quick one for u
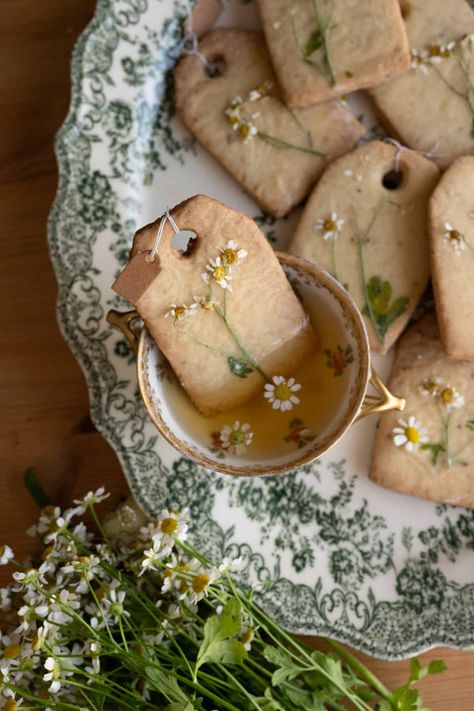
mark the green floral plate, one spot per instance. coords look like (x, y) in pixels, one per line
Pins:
(388, 574)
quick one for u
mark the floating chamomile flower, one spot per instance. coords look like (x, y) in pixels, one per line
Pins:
(330, 226)
(409, 434)
(454, 238)
(6, 555)
(237, 438)
(281, 393)
(181, 311)
(450, 397)
(217, 272)
(231, 255)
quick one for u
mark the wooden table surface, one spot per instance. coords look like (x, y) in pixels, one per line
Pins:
(43, 399)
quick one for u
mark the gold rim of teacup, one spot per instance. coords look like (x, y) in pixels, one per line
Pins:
(313, 452)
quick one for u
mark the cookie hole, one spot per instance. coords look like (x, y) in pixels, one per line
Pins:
(215, 67)
(184, 242)
(392, 179)
(405, 9)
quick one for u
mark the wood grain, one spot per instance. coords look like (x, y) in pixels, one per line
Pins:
(43, 399)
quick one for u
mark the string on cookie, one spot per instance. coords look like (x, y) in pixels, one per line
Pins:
(190, 44)
(167, 217)
(400, 148)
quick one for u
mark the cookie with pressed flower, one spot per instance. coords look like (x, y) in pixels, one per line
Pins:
(223, 312)
(452, 257)
(366, 223)
(428, 450)
(431, 107)
(322, 49)
(275, 153)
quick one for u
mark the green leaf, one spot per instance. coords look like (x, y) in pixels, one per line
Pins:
(314, 43)
(435, 450)
(169, 687)
(217, 645)
(437, 666)
(279, 657)
(384, 313)
(239, 367)
(284, 674)
(406, 699)
(37, 492)
(470, 425)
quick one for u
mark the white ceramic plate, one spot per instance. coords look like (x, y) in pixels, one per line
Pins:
(389, 574)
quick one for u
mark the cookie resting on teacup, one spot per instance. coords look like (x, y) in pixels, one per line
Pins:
(250, 362)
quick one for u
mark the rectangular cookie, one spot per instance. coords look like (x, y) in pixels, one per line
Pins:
(430, 107)
(366, 223)
(179, 307)
(322, 49)
(452, 257)
(275, 154)
(428, 450)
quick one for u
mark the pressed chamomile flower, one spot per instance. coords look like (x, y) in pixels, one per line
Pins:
(450, 397)
(217, 272)
(6, 555)
(280, 393)
(454, 238)
(182, 311)
(418, 60)
(231, 255)
(205, 302)
(330, 226)
(437, 52)
(409, 434)
(237, 438)
(429, 387)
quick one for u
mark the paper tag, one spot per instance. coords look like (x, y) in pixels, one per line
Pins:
(204, 14)
(137, 276)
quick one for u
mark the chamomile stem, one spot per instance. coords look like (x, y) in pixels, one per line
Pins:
(360, 669)
(201, 343)
(324, 30)
(307, 134)
(333, 258)
(360, 242)
(280, 143)
(236, 338)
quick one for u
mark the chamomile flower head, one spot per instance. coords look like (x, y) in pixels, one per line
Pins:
(207, 303)
(418, 60)
(454, 238)
(330, 226)
(450, 398)
(217, 273)
(6, 555)
(171, 525)
(200, 584)
(281, 393)
(430, 387)
(236, 438)
(231, 254)
(92, 498)
(409, 434)
(113, 604)
(181, 311)
(438, 51)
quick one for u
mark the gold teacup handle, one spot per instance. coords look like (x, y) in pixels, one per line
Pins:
(383, 401)
(122, 321)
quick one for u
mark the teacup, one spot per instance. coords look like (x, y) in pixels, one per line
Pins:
(347, 358)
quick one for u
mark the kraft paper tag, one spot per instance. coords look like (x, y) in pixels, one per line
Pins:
(204, 14)
(137, 276)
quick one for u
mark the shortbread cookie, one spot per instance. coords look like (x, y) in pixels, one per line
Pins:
(240, 118)
(452, 257)
(372, 235)
(431, 107)
(325, 48)
(230, 268)
(428, 451)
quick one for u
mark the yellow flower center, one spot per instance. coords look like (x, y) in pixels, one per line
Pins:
(200, 583)
(244, 130)
(169, 525)
(455, 236)
(246, 636)
(10, 705)
(282, 392)
(12, 651)
(179, 311)
(329, 225)
(219, 273)
(229, 256)
(412, 435)
(232, 119)
(447, 395)
(434, 50)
